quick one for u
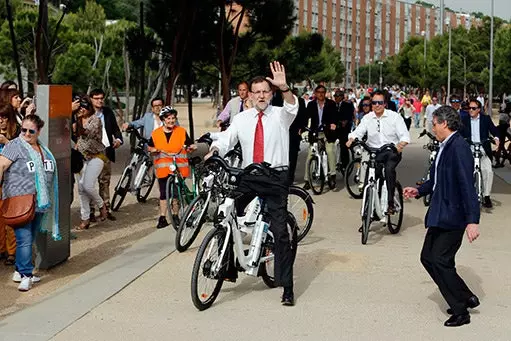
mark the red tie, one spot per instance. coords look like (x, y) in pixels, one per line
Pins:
(259, 140)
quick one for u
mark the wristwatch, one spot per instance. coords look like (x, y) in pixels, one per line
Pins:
(287, 89)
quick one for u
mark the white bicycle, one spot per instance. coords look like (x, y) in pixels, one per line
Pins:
(223, 246)
(318, 163)
(477, 153)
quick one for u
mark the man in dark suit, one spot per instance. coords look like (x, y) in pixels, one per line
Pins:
(454, 210)
(345, 116)
(112, 139)
(295, 135)
(322, 115)
(478, 127)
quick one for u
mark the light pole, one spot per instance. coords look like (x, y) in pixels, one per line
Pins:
(423, 33)
(490, 90)
(370, 64)
(381, 74)
(449, 62)
(357, 58)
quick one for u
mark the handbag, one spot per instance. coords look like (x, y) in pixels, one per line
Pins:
(19, 210)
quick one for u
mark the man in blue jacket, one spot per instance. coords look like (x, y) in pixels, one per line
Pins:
(150, 121)
(454, 210)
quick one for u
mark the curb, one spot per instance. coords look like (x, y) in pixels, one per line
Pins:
(56, 312)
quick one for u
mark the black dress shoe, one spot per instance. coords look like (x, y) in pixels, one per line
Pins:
(487, 202)
(457, 320)
(288, 297)
(472, 302)
(162, 222)
(92, 218)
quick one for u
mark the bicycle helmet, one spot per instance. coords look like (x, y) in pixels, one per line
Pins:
(166, 111)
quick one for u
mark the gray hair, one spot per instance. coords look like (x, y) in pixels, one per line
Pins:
(448, 114)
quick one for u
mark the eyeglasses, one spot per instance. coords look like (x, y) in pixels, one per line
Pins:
(261, 92)
(157, 105)
(455, 101)
(473, 108)
(31, 131)
(98, 98)
(378, 102)
(366, 104)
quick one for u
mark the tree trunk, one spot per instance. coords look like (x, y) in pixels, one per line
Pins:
(14, 46)
(127, 76)
(190, 106)
(142, 65)
(41, 42)
(464, 78)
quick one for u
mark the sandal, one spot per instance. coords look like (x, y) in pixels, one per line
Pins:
(84, 225)
(10, 260)
(103, 213)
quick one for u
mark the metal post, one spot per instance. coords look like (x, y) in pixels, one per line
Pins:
(370, 64)
(358, 70)
(424, 72)
(381, 74)
(442, 19)
(449, 66)
(490, 90)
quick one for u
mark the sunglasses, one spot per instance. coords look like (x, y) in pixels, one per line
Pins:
(473, 108)
(366, 105)
(378, 102)
(455, 101)
(31, 131)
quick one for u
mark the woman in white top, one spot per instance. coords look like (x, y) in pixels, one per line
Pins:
(406, 110)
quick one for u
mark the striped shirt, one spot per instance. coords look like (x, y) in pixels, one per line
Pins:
(19, 178)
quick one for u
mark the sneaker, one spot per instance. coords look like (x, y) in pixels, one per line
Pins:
(487, 202)
(16, 277)
(162, 222)
(26, 284)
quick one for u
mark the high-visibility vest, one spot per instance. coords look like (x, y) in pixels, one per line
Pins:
(162, 162)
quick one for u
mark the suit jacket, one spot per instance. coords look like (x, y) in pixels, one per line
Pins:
(454, 201)
(345, 111)
(146, 122)
(112, 130)
(329, 117)
(486, 128)
(300, 121)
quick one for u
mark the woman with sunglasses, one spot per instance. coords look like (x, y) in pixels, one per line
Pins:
(89, 131)
(28, 167)
(9, 129)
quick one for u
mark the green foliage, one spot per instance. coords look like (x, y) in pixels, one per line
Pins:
(74, 67)
(502, 60)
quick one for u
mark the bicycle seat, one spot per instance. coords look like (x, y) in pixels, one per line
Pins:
(206, 138)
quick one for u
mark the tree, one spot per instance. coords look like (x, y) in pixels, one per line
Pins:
(502, 73)
(74, 67)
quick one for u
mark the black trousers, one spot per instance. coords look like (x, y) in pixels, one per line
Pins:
(345, 151)
(390, 160)
(294, 149)
(408, 123)
(274, 190)
(437, 256)
(502, 137)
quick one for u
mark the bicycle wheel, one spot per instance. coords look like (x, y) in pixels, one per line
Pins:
(352, 179)
(193, 219)
(176, 191)
(317, 179)
(206, 284)
(479, 186)
(394, 221)
(368, 215)
(147, 184)
(300, 205)
(123, 187)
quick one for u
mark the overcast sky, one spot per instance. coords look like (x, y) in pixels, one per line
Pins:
(502, 7)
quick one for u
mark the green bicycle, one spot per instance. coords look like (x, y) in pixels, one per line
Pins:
(178, 189)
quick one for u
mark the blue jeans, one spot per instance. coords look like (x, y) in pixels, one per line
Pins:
(417, 119)
(25, 236)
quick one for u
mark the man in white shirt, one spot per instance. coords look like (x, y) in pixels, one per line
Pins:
(383, 126)
(480, 98)
(235, 105)
(263, 133)
(430, 109)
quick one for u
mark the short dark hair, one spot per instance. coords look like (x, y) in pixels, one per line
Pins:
(259, 79)
(34, 119)
(475, 100)
(241, 83)
(157, 99)
(319, 87)
(96, 92)
(7, 84)
(454, 97)
(448, 114)
(379, 93)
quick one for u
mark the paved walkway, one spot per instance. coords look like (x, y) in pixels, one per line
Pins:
(345, 290)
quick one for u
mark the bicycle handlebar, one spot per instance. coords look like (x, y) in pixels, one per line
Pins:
(134, 131)
(388, 146)
(425, 132)
(491, 140)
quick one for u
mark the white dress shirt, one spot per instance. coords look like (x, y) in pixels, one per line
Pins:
(440, 150)
(276, 123)
(475, 125)
(389, 128)
(430, 109)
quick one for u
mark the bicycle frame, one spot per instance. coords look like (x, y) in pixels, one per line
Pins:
(477, 153)
(321, 156)
(230, 224)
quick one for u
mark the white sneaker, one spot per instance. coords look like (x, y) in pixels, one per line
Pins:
(26, 284)
(16, 277)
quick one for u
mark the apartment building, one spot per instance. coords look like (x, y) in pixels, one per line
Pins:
(369, 30)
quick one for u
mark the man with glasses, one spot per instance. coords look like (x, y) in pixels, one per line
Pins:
(384, 126)
(478, 128)
(112, 139)
(322, 114)
(430, 109)
(150, 121)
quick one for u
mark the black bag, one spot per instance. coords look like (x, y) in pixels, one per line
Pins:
(76, 161)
